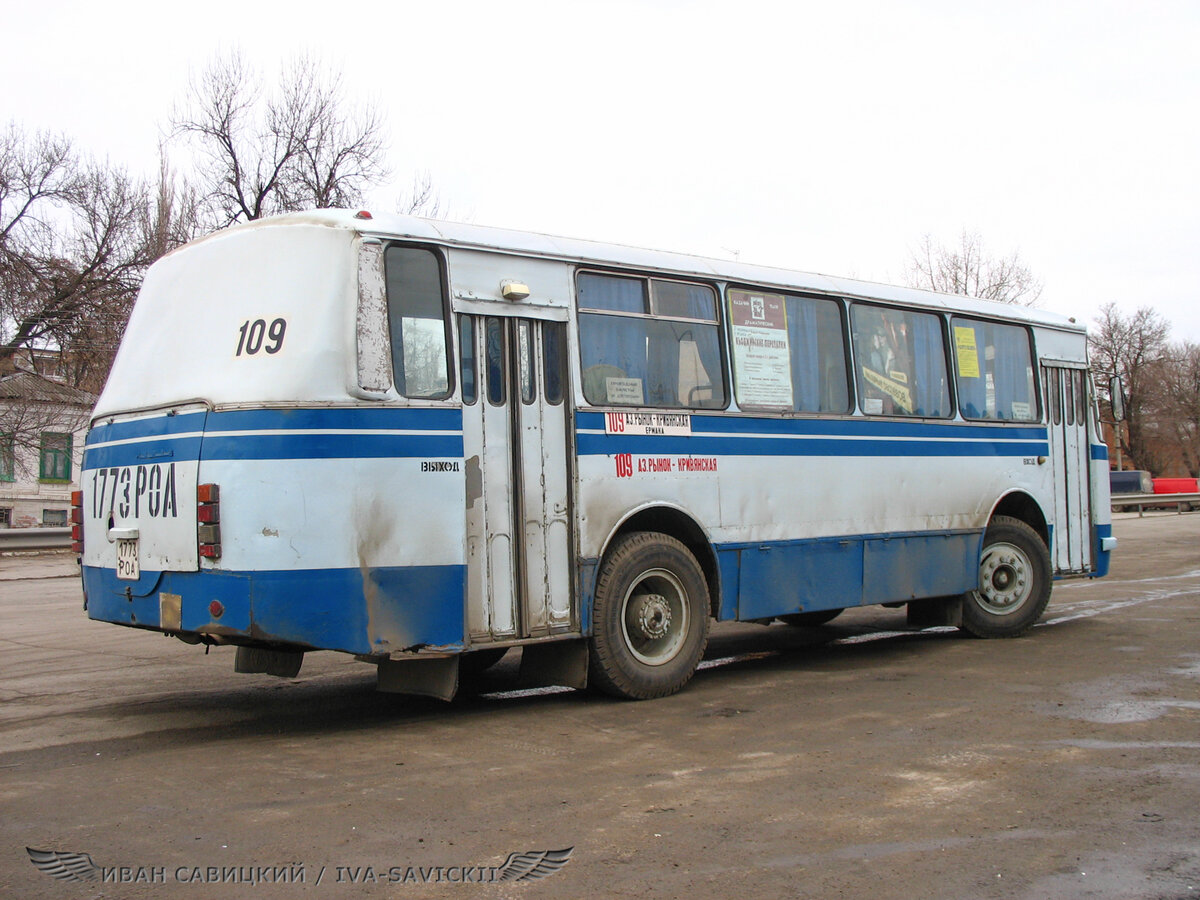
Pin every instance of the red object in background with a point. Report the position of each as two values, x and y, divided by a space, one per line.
1176 485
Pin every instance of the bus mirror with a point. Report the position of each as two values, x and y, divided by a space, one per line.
1116 396
371 323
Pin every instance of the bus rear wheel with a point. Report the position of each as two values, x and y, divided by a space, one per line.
1014 581
650 618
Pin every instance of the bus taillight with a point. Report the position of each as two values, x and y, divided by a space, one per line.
208 520
77 522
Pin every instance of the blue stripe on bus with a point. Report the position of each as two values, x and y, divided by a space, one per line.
1099 452
842 427
332 446
357 419
156 426
160 439
142 453
319 608
278 446
604 444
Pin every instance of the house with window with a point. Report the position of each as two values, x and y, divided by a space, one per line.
43 423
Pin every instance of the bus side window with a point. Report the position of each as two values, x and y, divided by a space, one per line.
494 367
789 353
468 363
900 361
649 342
554 361
416 317
994 369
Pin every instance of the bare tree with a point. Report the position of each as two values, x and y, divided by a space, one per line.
1134 347
969 270
297 146
1180 399
72 240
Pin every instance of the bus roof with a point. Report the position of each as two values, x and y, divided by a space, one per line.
598 253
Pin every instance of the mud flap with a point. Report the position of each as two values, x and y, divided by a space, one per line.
562 663
436 677
940 611
258 660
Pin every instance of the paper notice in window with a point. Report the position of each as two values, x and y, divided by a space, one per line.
966 352
762 362
625 391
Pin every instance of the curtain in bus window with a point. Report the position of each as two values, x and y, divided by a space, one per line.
614 358
1013 373
995 373
612 293
931 392
684 301
806 355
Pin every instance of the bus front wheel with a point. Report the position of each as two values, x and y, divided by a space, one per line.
1014 581
650 618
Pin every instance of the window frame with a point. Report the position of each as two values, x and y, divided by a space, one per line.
67 453
8 458
1038 414
648 279
842 305
947 363
451 345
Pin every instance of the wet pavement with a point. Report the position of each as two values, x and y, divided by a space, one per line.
859 759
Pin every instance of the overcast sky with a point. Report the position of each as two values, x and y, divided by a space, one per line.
827 137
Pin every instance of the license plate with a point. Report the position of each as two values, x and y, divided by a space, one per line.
128 567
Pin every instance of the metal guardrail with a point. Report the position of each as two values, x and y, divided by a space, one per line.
1181 502
34 539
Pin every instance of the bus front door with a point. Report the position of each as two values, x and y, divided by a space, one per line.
1067 416
515 443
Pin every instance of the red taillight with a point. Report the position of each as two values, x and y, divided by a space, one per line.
77 522
208 517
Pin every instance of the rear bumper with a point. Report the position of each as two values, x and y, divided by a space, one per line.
372 611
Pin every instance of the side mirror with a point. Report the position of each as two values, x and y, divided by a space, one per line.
1116 397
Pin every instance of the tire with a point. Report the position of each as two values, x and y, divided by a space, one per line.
649 619
1014 582
811 619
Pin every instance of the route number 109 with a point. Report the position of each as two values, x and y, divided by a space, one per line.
257 335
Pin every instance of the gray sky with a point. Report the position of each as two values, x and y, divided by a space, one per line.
822 136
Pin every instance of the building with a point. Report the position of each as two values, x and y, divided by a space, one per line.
43 424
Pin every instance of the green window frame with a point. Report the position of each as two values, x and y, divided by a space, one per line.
55 458
8 458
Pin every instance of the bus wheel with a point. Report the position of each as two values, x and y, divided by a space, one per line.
811 619
649 619
1014 581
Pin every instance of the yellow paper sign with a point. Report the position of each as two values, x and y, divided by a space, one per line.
967 353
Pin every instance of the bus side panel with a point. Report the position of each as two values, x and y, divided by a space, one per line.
817 514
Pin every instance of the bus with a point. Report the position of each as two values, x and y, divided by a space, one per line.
424 443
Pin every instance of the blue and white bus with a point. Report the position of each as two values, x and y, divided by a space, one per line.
423 443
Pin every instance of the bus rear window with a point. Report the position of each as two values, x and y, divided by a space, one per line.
416 317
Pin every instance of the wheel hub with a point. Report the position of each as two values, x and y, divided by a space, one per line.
1004 579
654 616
